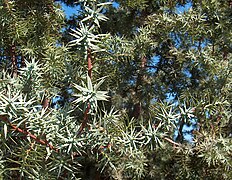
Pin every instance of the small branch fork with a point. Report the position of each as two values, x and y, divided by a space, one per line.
26 133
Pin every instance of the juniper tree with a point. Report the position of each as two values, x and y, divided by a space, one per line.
133 81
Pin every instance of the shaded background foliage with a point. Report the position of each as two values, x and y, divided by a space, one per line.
134 90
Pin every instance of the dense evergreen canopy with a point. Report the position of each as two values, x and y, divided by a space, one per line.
130 89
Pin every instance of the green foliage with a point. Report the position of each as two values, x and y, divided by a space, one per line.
139 91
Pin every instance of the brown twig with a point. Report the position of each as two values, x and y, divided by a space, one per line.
137 107
45 103
15 128
85 120
14 60
23 63
171 141
89 59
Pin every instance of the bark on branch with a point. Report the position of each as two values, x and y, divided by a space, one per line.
14 60
85 120
171 141
180 137
137 108
89 59
26 133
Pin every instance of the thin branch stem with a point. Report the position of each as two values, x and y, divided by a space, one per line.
137 108
171 141
23 63
45 103
90 67
26 133
14 60
85 120
89 59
